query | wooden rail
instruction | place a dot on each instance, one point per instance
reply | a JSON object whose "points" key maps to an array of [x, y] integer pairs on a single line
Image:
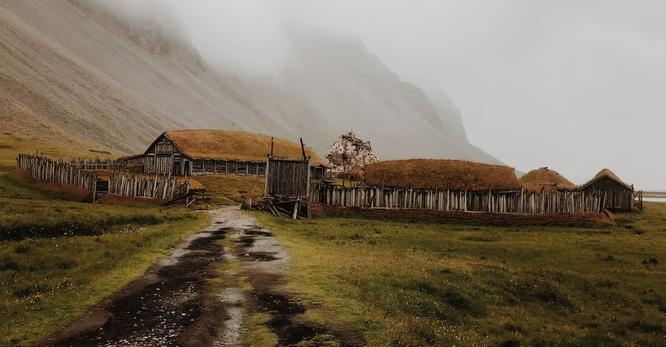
{"points": [[519, 201]]}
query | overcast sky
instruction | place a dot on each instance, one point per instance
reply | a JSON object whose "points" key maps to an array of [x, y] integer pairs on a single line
{"points": [[574, 85]]}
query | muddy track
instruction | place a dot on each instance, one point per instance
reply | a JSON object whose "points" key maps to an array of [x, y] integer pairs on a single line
{"points": [[167, 307], [185, 300], [264, 264]]}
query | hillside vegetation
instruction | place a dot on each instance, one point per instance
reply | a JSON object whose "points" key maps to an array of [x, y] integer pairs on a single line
{"points": [[424, 283]]}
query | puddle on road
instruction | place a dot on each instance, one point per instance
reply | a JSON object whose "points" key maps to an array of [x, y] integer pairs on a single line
{"points": [[264, 262], [157, 312], [245, 241], [260, 256], [175, 305], [258, 232]]}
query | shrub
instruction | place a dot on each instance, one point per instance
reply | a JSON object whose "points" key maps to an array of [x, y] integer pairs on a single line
{"points": [[646, 327], [609, 258], [65, 264], [651, 261], [22, 249], [25, 292], [541, 286], [9, 264], [483, 237]]}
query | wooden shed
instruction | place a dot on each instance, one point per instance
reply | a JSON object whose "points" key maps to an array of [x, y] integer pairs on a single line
{"points": [[441, 174], [619, 196], [200, 152], [545, 179]]}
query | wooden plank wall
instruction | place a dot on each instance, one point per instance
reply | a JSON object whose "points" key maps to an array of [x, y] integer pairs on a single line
{"points": [[447, 200], [621, 200], [158, 164], [45, 169], [287, 178], [228, 167]]}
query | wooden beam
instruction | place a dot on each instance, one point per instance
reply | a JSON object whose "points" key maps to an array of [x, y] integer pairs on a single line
{"points": [[303, 149], [272, 145]]}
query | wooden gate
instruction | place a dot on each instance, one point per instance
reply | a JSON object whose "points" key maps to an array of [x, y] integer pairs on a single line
{"points": [[288, 182]]}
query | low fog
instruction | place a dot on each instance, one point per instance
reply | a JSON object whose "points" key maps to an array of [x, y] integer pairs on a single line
{"points": [[573, 85]]}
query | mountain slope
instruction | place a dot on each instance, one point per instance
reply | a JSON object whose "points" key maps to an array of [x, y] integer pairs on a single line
{"points": [[72, 69]]}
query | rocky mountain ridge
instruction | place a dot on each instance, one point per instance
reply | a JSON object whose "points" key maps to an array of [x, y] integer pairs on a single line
{"points": [[73, 71]]}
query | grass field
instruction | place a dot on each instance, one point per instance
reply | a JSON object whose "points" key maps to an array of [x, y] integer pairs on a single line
{"points": [[227, 189], [399, 282], [75, 253], [406, 283]]}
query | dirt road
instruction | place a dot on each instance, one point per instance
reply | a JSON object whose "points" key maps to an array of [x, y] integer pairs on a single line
{"points": [[202, 293]]}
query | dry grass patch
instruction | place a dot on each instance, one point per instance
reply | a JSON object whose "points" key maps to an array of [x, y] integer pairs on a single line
{"points": [[228, 189], [440, 174], [238, 145]]}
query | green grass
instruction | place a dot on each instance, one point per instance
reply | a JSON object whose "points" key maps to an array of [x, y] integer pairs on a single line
{"points": [[411, 283], [227, 189], [59, 257], [27, 210], [48, 282], [255, 332]]}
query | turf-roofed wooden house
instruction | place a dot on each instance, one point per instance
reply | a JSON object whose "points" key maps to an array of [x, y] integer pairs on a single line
{"points": [[202, 152], [619, 196]]}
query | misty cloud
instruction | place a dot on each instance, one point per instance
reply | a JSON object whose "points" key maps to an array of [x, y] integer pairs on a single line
{"points": [[575, 85]]}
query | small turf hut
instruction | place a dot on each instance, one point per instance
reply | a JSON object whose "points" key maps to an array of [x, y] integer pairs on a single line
{"points": [[545, 179], [619, 195], [441, 174], [200, 152]]}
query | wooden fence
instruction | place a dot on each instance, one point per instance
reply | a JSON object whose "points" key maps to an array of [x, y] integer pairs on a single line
{"points": [[228, 167], [118, 182], [97, 164], [151, 187], [519, 201], [45, 169]]}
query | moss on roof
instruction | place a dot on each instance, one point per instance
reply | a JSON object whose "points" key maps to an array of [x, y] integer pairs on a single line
{"points": [[545, 179], [606, 173], [441, 174], [235, 145]]}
